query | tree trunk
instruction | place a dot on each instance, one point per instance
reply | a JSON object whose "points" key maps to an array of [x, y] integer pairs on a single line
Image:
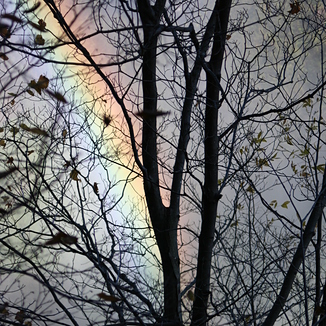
{"points": [[164, 220], [210, 190]]}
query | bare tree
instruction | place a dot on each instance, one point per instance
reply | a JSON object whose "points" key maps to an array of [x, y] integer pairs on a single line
{"points": [[219, 103]]}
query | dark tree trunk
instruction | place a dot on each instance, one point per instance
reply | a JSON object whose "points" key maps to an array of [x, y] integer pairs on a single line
{"points": [[164, 220], [210, 190]]}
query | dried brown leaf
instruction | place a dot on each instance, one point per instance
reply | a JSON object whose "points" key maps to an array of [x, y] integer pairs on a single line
{"points": [[42, 24], [107, 297], [39, 40], [57, 96], [29, 92], [151, 114], [295, 8], [95, 187], [20, 316], [4, 31], [191, 295], [38, 131], [42, 83], [107, 119], [74, 175], [3, 56], [62, 238], [33, 84]]}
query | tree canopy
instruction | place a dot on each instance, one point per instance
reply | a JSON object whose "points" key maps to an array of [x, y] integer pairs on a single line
{"points": [[162, 162]]}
